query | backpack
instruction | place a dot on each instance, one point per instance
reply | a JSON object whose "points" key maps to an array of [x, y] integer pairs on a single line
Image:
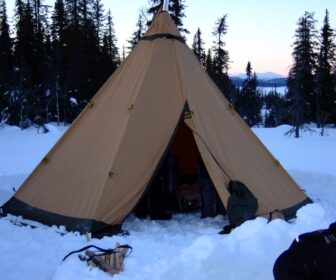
{"points": [[311, 256], [242, 204]]}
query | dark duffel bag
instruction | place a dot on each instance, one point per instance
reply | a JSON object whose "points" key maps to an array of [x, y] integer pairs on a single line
{"points": [[311, 256]]}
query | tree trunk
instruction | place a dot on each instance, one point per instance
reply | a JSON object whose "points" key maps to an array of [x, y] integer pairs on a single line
{"points": [[57, 100]]}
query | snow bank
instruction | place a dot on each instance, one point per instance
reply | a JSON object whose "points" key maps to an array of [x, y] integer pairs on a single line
{"points": [[162, 250], [310, 153], [22, 150]]}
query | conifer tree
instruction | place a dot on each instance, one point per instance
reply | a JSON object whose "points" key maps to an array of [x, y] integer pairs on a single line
{"points": [[47, 98], [42, 66], [153, 9], [59, 27], [220, 62], [98, 18], [249, 101], [110, 53], [84, 11], [301, 80], [176, 10], [113, 51], [325, 88], [209, 64], [89, 53], [25, 56], [198, 48], [58, 67], [72, 95], [137, 34], [16, 95], [40, 16], [106, 62], [221, 56], [102, 67], [275, 108], [6, 64]]}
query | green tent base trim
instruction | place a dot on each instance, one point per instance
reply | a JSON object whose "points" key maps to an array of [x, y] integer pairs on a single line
{"points": [[290, 212], [17, 207], [98, 229]]}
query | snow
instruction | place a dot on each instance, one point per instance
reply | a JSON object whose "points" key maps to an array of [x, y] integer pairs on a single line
{"points": [[186, 247], [21, 150], [73, 100], [280, 90], [311, 153]]}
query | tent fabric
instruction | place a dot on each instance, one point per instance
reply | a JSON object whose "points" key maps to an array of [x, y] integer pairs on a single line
{"points": [[220, 131], [102, 165]]}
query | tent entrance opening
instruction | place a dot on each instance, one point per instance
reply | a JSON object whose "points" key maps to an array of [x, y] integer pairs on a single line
{"points": [[181, 183]]}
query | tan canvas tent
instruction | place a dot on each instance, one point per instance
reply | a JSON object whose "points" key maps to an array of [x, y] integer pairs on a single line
{"points": [[97, 172]]}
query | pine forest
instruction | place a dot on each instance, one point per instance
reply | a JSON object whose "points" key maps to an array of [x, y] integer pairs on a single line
{"points": [[54, 59]]}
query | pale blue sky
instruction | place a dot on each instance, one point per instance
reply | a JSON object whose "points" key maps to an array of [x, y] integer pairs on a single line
{"points": [[259, 30]]}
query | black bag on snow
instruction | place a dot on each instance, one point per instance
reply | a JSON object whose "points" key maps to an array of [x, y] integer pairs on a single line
{"points": [[311, 256]]}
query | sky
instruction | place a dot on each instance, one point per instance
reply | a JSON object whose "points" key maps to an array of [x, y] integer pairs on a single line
{"points": [[260, 31]]}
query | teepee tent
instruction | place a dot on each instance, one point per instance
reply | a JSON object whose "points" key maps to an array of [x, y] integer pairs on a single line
{"points": [[97, 172]]}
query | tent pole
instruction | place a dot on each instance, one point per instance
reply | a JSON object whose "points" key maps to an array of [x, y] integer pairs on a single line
{"points": [[165, 5]]}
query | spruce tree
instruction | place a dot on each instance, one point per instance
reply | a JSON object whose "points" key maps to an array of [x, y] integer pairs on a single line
{"points": [[153, 9], [209, 64], [113, 51], [198, 48], [221, 56], [101, 68], [248, 101], [176, 10], [59, 28], [25, 76], [301, 79], [72, 95], [42, 66], [220, 63], [6, 65], [16, 95], [58, 68], [89, 53], [275, 108], [109, 51], [47, 97], [325, 88], [137, 34], [98, 19]]}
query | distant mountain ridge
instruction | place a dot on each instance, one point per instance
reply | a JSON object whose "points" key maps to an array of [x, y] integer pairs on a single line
{"points": [[260, 75], [265, 79]]}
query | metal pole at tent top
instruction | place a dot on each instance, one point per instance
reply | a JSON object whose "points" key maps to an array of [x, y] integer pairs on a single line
{"points": [[165, 5]]}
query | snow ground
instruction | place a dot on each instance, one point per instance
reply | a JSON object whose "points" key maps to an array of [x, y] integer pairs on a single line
{"points": [[186, 247], [281, 90]]}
